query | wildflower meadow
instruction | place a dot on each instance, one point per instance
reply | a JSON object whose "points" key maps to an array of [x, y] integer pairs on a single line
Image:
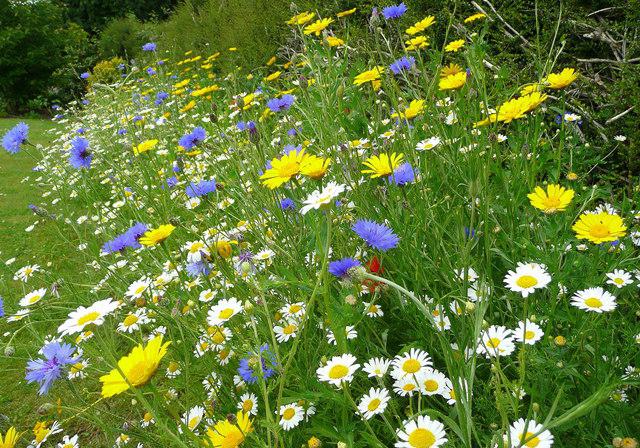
{"points": [[377, 242]]}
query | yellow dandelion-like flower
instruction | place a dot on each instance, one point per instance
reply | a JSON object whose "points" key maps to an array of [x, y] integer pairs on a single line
{"points": [[317, 26], [454, 46], [138, 367], [301, 19], [420, 26], [283, 169], [334, 41], [156, 236], [10, 438], [449, 70], [229, 435], [273, 76], [416, 107], [369, 75], [314, 167], [562, 79], [474, 17], [452, 82], [382, 165], [187, 107], [528, 89], [555, 199], [145, 146], [417, 43], [599, 227], [346, 13]]}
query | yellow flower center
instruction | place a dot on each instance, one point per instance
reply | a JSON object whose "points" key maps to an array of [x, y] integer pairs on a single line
{"points": [[77, 367], [289, 329], [373, 404], [527, 281], [593, 302], [226, 313], [293, 309], [531, 443], [421, 438], [338, 371], [193, 422], [140, 289], [494, 342], [247, 405], [408, 387], [618, 281], [288, 414], [411, 366], [88, 318], [431, 385], [232, 439], [218, 337], [35, 298], [529, 334], [290, 169], [599, 230], [130, 320]]}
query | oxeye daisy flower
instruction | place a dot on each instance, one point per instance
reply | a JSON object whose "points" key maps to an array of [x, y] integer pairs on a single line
{"points": [[373, 403], [338, 369], [83, 316], [423, 432], [599, 227], [526, 278], [528, 332], [496, 341], [394, 11], [529, 434], [562, 79], [317, 26], [45, 371], [67, 442], [382, 165], [619, 278], [15, 137], [223, 311], [432, 382], [192, 418], [318, 198], [596, 300], [286, 331], [376, 367], [555, 199], [290, 416], [377, 236], [248, 403], [138, 367], [452, 82], [33, 297], [156, 236], [227, 434], [410, 363]]}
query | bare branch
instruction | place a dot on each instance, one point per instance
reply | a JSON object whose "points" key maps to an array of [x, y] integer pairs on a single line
{"points": [[620, 115]]}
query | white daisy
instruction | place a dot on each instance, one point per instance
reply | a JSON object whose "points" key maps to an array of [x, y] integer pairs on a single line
{"points": [[432, 382], [375, 402], [138, 288], [319, 198], [339, 369], [290, 416], [496, 341], [285, 332], [528, 332], [147, 420], [423, 432], [207, 296], [223, 311], [526, 278], [372, 309], [408, 385], [529, 434], [410, 363], [349, 331], [133, 321], [33, 297], [376, 367], [248, 403], [69, 442], [594, 299], [293, 310], [619, 278], [84, 316], [192, 418], [429, 143], [218, 336]]}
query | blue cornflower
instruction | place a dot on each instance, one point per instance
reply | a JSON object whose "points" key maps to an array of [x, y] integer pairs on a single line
{"points": [[188, 141], [46, 371], [85, 75], [195, 190], [247, 126], [405, 63], [79, 155], [279, 104], [292, 132], [15, 137], [80, 131], [376, 235], [394, 11], [172, 181], [287, 204], [122, 131], [340, 268], [402, 175], [160, 97], [149, 46], [137, 118], [85, 102], [250, 370], [1, 307], [198, 268], [151, 71], [127, 239]]}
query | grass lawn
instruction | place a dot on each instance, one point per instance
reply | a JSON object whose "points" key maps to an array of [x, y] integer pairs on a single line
{"points": [[18, 188]]}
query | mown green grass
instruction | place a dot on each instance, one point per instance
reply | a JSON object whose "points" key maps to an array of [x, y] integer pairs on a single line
{"points": [[44, 246]]}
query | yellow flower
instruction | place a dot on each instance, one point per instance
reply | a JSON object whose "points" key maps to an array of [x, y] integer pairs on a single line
{"points": [[273, 76], [416, 107], [474, 17], [283, 169], [301, 19], [334, 41], [454, 46], [10, 438], [417, 43], [228, 435], [187, 107], [314, 167], [562, 79], [382, 165], [555, 199], [271, 61], [599, 227], [346, 13], [452, 82], [205, 90], [156, 236], [421, 25], [317, 26], [223, 248], [138, 367], [145, 146], [451, 69], [369, 75], [534, 99]]}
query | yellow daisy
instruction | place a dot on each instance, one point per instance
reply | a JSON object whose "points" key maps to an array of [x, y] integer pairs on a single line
{"points": [[314, 167], [346, 13], [454, 46], [283, 169], [317, 26], [555, 199], [229, 435], [145, 146], [599, 227], [562, 79], [453, 82], [156, 236], [10, 438], [417, 43], [301, 19], [416, 107], [382, 165], [420, 26], [369, 75]]}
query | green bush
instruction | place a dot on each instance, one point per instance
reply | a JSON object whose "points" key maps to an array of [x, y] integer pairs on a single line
{"points": [[123, 37]]}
